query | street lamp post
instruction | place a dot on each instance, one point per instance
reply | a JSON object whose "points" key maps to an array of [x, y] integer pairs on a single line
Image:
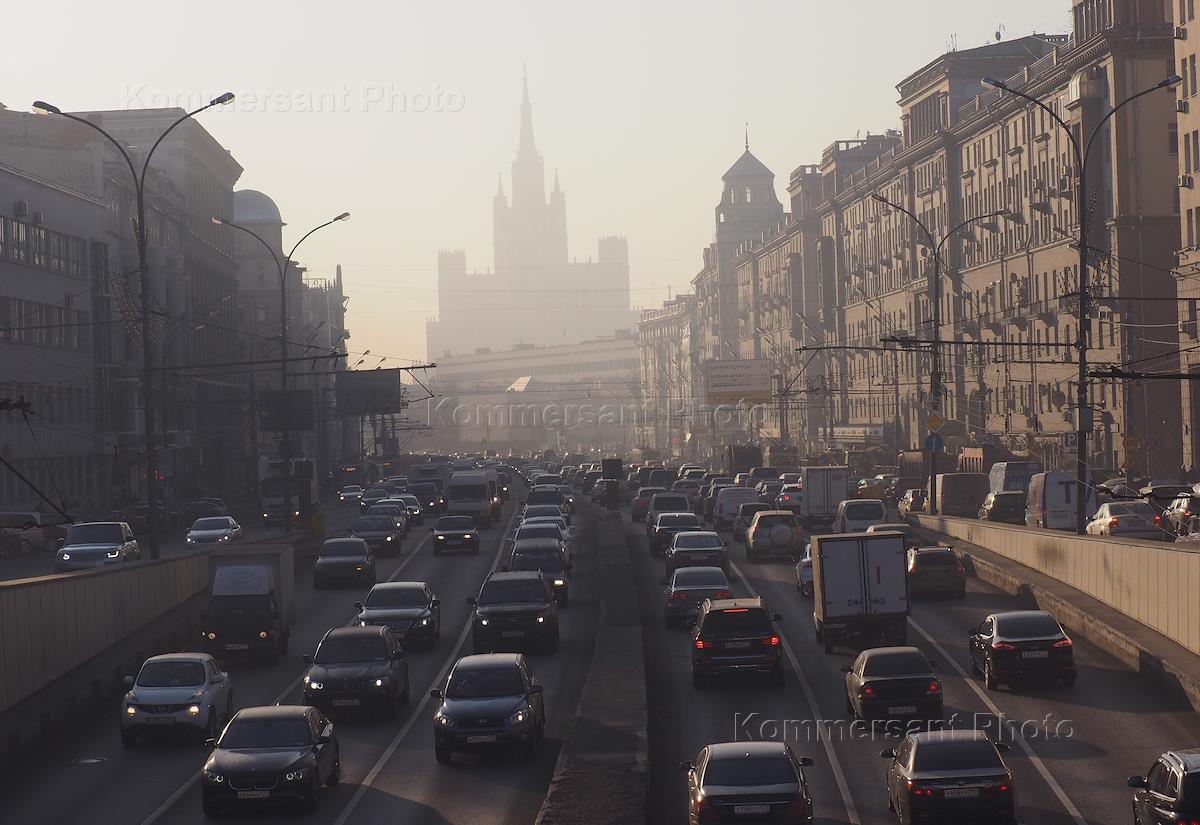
{"points": [[282, 267], [935, 371], [1083, 410], [141, 237]]}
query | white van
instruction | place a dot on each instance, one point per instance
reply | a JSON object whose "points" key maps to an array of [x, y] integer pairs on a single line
{"points": [[728, 500], [1052, 499], [855, 515]]}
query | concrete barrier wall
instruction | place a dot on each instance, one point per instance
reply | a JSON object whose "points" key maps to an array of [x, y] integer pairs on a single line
{"points": [[52, 624], [1154, 583]]}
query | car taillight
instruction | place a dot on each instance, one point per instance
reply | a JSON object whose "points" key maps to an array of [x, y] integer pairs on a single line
{"points": [[1003, 646], [706, 811], [797, 807], [934, 687], [771, 641], [918, 790], [1063, 643], [700, 644], [866, 690], [723, 594], [1158, 520], [678, 596], [1113, 522], [1006, 787]]}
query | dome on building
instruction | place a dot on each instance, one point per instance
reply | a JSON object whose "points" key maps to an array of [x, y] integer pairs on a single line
{"points": [[252, 206]]}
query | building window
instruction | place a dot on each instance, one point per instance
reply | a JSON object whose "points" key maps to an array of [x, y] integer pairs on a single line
{"points": [[3, 238], [19, 241], [1192, 75], [732, 195], [748, 195], [1173, 138]]}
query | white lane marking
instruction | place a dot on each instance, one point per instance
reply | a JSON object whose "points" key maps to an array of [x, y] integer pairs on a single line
{"points": [[417, 712], [839, 775], [1025, 746], [170, 801]]}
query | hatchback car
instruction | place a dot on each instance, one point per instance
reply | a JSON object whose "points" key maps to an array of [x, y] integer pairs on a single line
{"points": [[856, 515], [748, 782], [1007, 507], [411, 609], [455, 532], [957, 775], [355, 667], [1170, 792], [489, 701], [936, 571], [736, 636], [662, 529], [1006, 647], [688, 588], [892, 683], [791, 497], [345, 560], [696, 548], [176, 691], [514, 610], [774, 533], [213, 530], [278, 754], [667, 503], [96, 544]]}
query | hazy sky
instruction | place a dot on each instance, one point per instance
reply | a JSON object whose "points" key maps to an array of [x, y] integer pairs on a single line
{"points": [[403, 113]]}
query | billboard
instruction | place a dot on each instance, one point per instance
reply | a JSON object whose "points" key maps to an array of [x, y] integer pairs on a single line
{"points": [[368, 392], [280, 410], [745, 379]]}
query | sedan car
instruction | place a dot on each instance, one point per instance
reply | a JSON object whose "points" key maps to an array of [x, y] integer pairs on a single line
{"points": [[514, 609], [278, 754], [892, 683], [1007, 507], [662, 530], [957, 775], [372, 496], [688, 588], [936, 571], [548, 557], [455, 531], [343, 560], [175, 691], [696, 548], [213, 530], [748, 782], [1006, 647], [357, 666], [350, 494], [411, 609], [1128, 519], [791, 497], [412, 507], [489, 701], [379, 532], [96, 544]]}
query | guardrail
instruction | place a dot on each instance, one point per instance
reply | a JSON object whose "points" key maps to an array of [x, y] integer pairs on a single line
{"points": [[1154, 583]]}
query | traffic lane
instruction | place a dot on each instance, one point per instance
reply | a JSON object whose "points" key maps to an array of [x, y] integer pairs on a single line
{"points": [[127, 784], [682, 720], [499, 787]]}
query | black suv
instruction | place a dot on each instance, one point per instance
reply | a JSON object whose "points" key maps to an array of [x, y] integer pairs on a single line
{"points": [[1170, 792], [489, 701], [357, 667], [736, 636], [514, 610]]}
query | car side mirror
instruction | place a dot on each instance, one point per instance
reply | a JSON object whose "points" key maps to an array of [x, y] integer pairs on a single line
{"points": [[805, 761], [887, 753], [128, 680], [1136, 782], [435, 603], [210, 743], [685, 765], [306, 658], [358, 605], [436, 693]]}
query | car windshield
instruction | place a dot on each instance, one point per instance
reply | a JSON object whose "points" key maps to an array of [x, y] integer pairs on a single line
{"points": [[772, 521], [743, 770], [542, 510], [409, 500], [466, 492], [352, 488], [456, 523], [95, 534], [906, 663], [367, 525], [352, 547], [539, 531], [678, 521], [712, 540], [211, 524], [340, 649], [171, 674], [548, 562], [1009, 503], [737, 622], [1030, 626], [375, 494], [510, 591], [951, 756], [485, 682], [267, 733], [397, 597], [747, 510], [864, 510], [699, 577], [426, 491]]}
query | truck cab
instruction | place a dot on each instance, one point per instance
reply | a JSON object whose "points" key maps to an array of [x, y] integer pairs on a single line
{"points": [[251, 607]]}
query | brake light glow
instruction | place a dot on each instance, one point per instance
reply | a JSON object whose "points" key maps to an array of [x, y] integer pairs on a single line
{"points": [[934, 687], [1063, 643], [678, 596], [1113, 522], [867, 690], [1003, 646], [772, 641], [918, 790], [702, 645], [737, 610], [1003, 787], [706, 811], [797, 807]]}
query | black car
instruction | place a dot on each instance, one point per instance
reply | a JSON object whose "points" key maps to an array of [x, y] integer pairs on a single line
{"points": [[666, 525], [410, 609], [1170, 793], [956, 774], [343, 560], [428, 494], [936, 571], [489, 701], [1022, 643], [548, 557], [514, 609], [370, 497], [1005, 508], [892, 683], [697, 548], [749, 781], [379, 532], [736, 636], [455, 532], [276, 754], [357, 667]]}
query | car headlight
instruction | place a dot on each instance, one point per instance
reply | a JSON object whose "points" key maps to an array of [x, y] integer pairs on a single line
{"points": [[468, 537], [314, 685], [520, 717], [541, 619], [211, 635], [382, 681], [225, 537], [215, 778], [362, 623], [483, 622], [294, 776], [193, 710], [388, 538], [65, 556], [441, 538], [112, 554], [190, 540], [262, 634], [266, 515], [421, 622], [442, 720], [130, 710], [560, 582]]}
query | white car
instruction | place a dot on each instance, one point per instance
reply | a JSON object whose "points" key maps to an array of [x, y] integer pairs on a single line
{"points": [[177, 690], [214, 529], [855, 515], [1128, 519]]}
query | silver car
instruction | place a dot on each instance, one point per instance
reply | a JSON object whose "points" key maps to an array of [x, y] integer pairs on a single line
{"points": [[96, 544], [173, 691], [687, 589], [214, 530], [1128, 519]]}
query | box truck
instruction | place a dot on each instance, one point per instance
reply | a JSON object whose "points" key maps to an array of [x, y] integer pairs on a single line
{"points": [[252, 602], [825, 488], [860, 587]]}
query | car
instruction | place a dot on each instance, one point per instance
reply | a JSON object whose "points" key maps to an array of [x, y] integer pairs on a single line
{"points": [[745, 514], [549, 557], [913, 501], [957, 775], [741, 479], [277, 754], [1006, 507], [411, 609], [790, 478], [734, 636], [1130, 520], [397, 511], [96, 544], [662, 530], [428, 495], [455, 531], [856, 515], [768, 491], [907, 532], [804, 572], [1006, 647], [413, 508], [748, 781], [370, 497], [667, 502], [213, 529], [489, 701], [893, 683], [1179, 513], [548, 529], [343, 560], [1170, 790], [687, 588], [791, 497], [514, 608], [550, 510], [176, 691], [936, 571], [728, 500], [589, 480], [379, 531], [774, 533], [360, 666], [695, 548], [642, 503], [709, 501]]}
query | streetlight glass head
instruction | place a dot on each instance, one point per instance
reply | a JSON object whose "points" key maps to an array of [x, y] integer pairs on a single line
{"points": [[875, 196], [222, 100], [345, 216], [1172, 81], [217, 221], [44, 108], [992, 83]]}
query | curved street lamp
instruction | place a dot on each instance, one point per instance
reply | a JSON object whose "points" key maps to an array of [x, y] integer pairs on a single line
{"points": [[141, 236]]}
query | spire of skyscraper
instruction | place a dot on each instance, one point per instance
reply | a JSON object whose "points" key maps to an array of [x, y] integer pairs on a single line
{"points": [[526, 148]]}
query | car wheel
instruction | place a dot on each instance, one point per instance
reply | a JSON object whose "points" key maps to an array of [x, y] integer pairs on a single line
{"points": [[989, 676], [314, 800], [442, 754], [210, 807], [335, 775]]}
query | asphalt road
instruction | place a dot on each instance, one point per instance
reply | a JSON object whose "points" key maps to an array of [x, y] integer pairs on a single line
{"points": [[388, 770], [1111, 724]]}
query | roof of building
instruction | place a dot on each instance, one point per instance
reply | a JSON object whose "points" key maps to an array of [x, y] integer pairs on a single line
{"points": [[252, 206], [748, 166]]}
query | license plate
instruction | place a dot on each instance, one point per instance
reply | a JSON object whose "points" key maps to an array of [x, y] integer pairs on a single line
{"points": [[903, 709], [346, 703], [161, 720], [961, 793], [1035, 654], [480, 740], [253, 794], [736, 645], [237, 647], [744, 810], [512, 634]]}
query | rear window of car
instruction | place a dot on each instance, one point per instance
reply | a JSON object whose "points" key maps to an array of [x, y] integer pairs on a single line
{"points": [[698, 577], [737, 622], [368, 524], [662, 502], [956, 756], [95, 534], [745, 770], [1033, 626], [544, 497], [908, 663], [678, 520], [751, 509], [937, 558], [456, 523], [768, 522], [1131, 510], [864, 510]]}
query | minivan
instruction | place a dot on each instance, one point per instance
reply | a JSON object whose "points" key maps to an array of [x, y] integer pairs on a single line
{"points": [[1052, 501], [855, 515], [725, 509]]}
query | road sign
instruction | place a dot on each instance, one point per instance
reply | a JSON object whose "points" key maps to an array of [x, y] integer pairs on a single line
{"points": [[1070, 440], [934, 443], [935, 422], [1131, 442]]}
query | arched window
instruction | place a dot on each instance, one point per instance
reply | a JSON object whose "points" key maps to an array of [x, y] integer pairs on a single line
{"points": [[732, 195], [721, 217], [748, 195]]}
